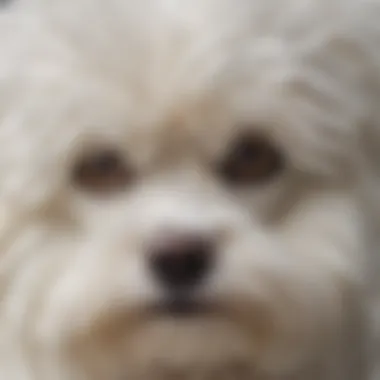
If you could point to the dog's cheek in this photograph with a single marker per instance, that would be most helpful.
(305, 276)
(322, 294)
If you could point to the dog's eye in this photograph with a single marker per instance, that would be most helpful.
(103, 172)
(251, 160)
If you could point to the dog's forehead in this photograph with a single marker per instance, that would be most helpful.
(203, 69)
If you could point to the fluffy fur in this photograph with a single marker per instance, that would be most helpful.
(170, 83)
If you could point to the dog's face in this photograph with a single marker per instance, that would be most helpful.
(186, 205)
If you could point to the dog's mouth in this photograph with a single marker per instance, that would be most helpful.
(177, 335)
(184, 307)
(185, 336)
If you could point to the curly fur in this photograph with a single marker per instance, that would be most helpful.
(170, 83)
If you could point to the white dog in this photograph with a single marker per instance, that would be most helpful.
(188, 189)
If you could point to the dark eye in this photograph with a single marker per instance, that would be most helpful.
(251, 160)
(102, 172)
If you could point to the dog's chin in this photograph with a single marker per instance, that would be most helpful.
(180, 341)
(186, 341)
(192, 346)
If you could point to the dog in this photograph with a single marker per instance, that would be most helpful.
(189, 190)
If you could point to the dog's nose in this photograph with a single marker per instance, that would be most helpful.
(181, 262)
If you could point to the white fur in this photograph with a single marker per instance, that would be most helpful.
(170, 83)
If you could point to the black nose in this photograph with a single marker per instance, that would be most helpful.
(180, 263)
